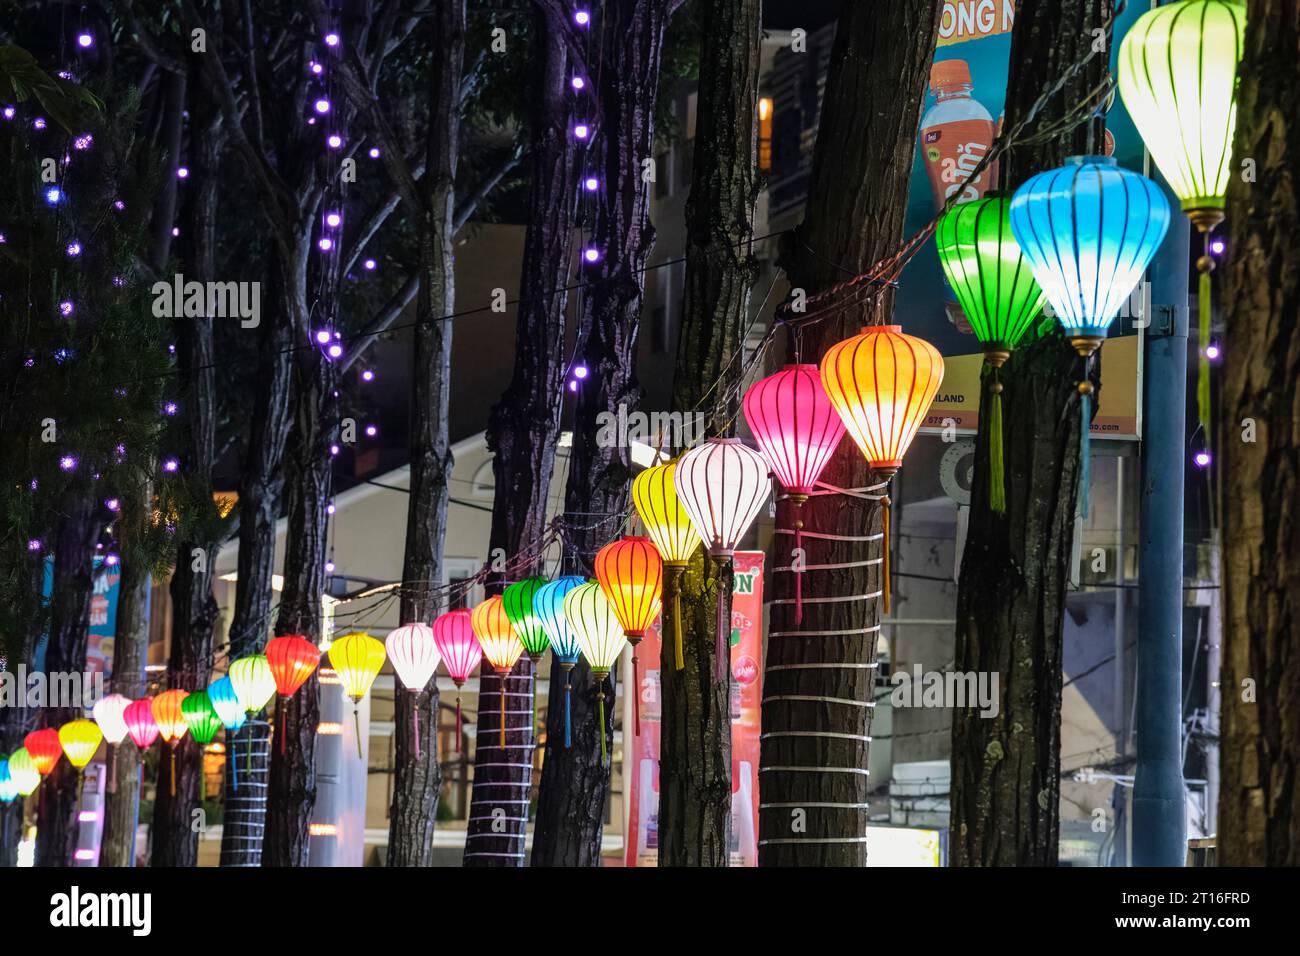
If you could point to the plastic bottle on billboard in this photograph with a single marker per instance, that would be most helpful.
(956, 133)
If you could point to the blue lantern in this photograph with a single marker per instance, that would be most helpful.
(1089, 231)
(548, 606)
(8, 789)
(226, 703)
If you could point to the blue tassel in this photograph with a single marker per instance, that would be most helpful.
(568, 714)
(1085, 452)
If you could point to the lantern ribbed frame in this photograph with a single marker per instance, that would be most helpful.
(109, 713)
(517, 602)
(1178, 77)
(795, 425)
(722, 485)
(45, 749)
(596, 626)
(1089, 231)
(631, 575)
(548, 605)
(140, 723)
(461, 652)
(654, 493)
(253, 682)
(881, 382)
(414, 654)
(80, 739)
(501, 646)
(357, 658)
(23, 772)
(292, 659)
(201, 717)
(226, 704)
(169, 717)
(988, 273)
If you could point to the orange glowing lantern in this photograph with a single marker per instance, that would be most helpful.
(631, 574)
(500, 645)
(172, 725)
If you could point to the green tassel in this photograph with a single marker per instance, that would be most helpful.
(600, 697)
(1085, 452)
(1203, 371)
(997, 485)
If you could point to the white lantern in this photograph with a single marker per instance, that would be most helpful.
(723, 486)
(414, 654)
(109, 711)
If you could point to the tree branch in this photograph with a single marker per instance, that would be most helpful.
(382, 320)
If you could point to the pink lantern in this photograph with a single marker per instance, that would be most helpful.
(414, 655)
(797, 430)
(453, 633)
(722, 485)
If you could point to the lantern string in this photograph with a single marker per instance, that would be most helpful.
(636, 693)
(172, 773)
(1205, 266)
(568, 707)
(884, 551)
(112, 768)
(280, 712)
(356, 717)
(415, 722)
(1085, 443)
(600, 704)
(723, 626)
(997, 483)
(503, 709)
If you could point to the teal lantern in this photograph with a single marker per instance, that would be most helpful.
(8, 789)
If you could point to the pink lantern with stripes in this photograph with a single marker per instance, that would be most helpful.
(453, 633)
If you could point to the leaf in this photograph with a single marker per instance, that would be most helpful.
(65, 101)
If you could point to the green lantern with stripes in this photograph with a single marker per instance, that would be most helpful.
(517, 601)
(998, 293)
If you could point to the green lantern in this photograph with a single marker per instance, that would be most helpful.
(517, 601)
(201, 717)
(998, 293)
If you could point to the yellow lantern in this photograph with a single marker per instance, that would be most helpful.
(80, 740)
(23, 772)
(357, 658)
(670, 528)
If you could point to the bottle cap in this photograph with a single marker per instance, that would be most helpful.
(949, 74)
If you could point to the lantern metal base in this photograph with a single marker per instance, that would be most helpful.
(1085, 345)
(997, 357)
(1205, 218)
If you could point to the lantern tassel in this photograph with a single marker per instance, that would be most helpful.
(884, 551)
(1205, 266)
(997, 481)
(233, 763)
(248, 752)
(112, 768)
(279, 712)
(203, 782)
(503, 711)
(172, 773)
(415, 723)
(674, 589)
(458, 730)
(600, 704)
(636, 693)
(724, 638)
(356, 717)
(568, 709)
(798, 563)
(1085, 445)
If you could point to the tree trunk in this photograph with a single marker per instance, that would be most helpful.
(130, 654)
(818, 689)
(292, 794)
(695, 733)
(575, 782)
(416, 782)
(79, 526)
(1259, 810)
(1005, 791)
(18, 721)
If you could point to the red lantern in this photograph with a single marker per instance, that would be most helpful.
(45, 749)
(631, 573)
(292, 659)
(461, 652)
(140, 723)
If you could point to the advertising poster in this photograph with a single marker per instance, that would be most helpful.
(641, 754)
(103, 618)
(962, 115)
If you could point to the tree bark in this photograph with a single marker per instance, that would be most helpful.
(695, 733)
(816, 814)
(575, 782)
(79, 526)
(1259, 807)
(416, 782)
(18, 721)
(1005, 791)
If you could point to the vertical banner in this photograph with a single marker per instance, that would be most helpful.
(102, 623)
(641, 754)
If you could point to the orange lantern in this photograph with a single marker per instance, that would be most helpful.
(45, 749)
(631, 573)
(882, 382)
(172, 725)
(500, 645)
(292, 659)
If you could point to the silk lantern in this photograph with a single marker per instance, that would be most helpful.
(882, 381)
(169, 717)
(1178, 77)
(357, 658)
(109, 712)
(517, 602)
(414, 655)
(600, 638)
(453, 632)
(140, 724)
(203, 721)
(548, 606)
(1089, 231)
(292, 659)
(253, 682)
(226, 703)
(45, 749)
(8, 788)
(631, 574)
(22, 771)
(722, 485)
(501, 646)
(999, 295)
(797, 430)
(80, 739)
(654, 493)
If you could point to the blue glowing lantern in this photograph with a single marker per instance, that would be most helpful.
(548, 607)
(1089, 231)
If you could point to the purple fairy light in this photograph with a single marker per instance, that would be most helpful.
(66, 307)
(591, 254)
(335, 141)
(68, 463)
(38, 123)
(118, 282)
(182, 172)
(580, 371)
(1202, 459)
(322, 106)
(573, 386)
(33, 544)
(335, 351)
(53, 195)
(333, 219)
(1212, 351)
(85, 40)
(325, 243)
(577, 82)
(374, 152)
(112, 504)
(372, 431)
(9, 112)
(591, 183)
(370, 265)
(110, 559)
(171, 466)
(330, 509)
(329, 567)
(74, 249)
(170, 408)
(334, 449)
(119, 205)
(581, 17)
(176, 231)
(323, 337)
(367, 376)
(1217, 247)
(316, 68)
(582, 131)
(331, 39)
(83, 141)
